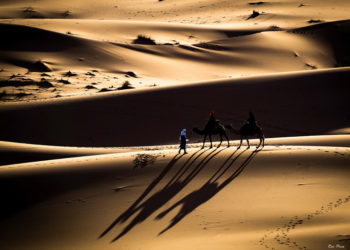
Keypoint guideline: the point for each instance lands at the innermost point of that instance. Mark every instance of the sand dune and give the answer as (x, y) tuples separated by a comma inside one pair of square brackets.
[(11, 152), (207, 184), (316, 103), (183, 53), (93, 95), (283, 13)]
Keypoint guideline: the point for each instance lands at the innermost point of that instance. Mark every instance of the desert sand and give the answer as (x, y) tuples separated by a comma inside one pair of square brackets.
[(94, 94)]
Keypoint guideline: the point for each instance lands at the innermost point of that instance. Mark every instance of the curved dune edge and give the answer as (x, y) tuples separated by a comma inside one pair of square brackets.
[(14, 152), (226, 197)]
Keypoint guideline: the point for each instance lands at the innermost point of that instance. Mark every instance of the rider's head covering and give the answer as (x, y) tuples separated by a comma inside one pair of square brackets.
[(183, 132)]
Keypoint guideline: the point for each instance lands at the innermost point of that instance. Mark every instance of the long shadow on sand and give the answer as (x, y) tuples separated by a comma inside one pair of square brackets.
[(131, 210), (146, 207), (193, 200)]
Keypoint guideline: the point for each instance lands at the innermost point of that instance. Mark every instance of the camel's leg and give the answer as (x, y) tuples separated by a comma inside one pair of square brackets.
[(228, 141), (240, 144), (220, 140), (260, 141), (263, 141), (205, 137), (211, 142), (262, 136), (247, 141)]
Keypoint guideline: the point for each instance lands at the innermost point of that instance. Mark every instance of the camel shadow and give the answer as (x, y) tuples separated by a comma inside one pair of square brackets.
[(144, 208), (211, 188), (130, 211)]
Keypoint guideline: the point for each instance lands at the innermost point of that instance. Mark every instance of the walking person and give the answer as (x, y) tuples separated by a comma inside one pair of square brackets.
[(183, 141)]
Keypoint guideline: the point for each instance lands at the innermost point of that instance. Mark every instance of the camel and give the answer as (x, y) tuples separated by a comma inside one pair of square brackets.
[(246, 131), (213, 127)]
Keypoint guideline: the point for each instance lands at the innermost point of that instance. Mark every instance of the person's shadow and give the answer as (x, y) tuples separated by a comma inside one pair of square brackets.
[(193, 200)]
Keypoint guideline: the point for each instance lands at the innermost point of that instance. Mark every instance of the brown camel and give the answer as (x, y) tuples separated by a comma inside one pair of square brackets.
[(213, 127), (246, 130)]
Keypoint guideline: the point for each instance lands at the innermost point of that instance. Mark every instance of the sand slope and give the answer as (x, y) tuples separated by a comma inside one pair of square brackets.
[(93, 95), (211, 198), (283, 13), (12, 152), (316, 103), (182, 54)]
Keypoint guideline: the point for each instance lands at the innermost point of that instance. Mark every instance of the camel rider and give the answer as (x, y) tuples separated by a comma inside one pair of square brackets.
[(251, 120), (212, 119), (213, 123)]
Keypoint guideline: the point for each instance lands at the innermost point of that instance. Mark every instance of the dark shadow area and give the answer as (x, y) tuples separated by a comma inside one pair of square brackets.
[(12, 157), (318, 116), (212, 46), (130, 211), (182, 177), (139, 49), (337, 33), (21, 189), (22, 38), (198, 197), (236, 33)]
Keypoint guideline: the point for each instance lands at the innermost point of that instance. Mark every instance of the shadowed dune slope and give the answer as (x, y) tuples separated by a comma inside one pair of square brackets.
[(12, 152), (23, 46), (24, 38), (294, 104), (125, 31), (335, 34)]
